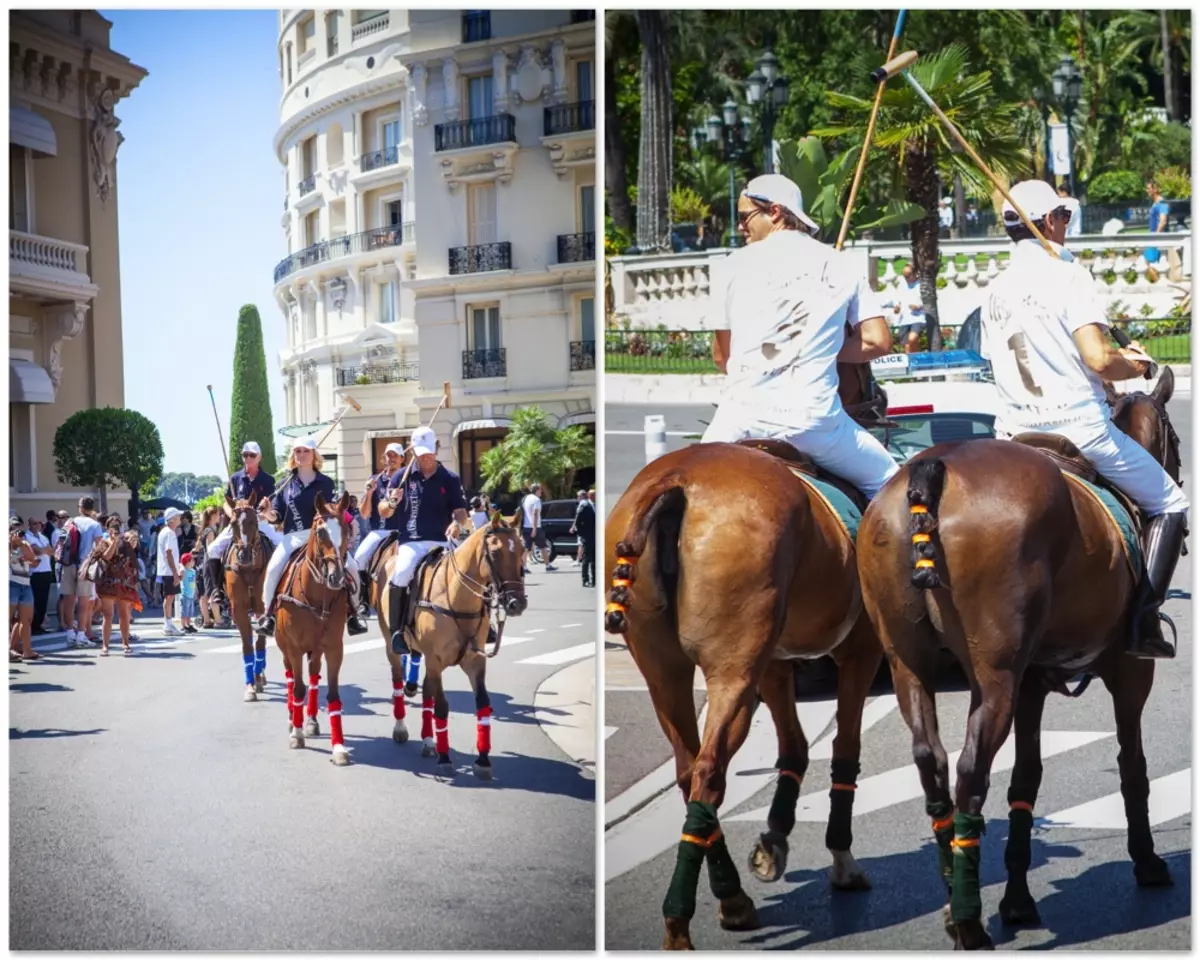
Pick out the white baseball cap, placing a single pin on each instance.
(307, 442)
(172, 513)
(423, 441)
(396, 448)
(1037, 198)
(251, 447)
(776, 188)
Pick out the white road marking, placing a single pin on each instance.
(566, 655)
(565, 712)
(1170, 797)
(568, 626)
(536, 630)
(609, 731)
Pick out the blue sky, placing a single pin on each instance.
(200, 200)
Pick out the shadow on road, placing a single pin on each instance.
(39, 688)
(14, 733)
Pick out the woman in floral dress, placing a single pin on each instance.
(118, 587)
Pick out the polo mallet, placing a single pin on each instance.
(220, 433)
(900, 65)
(866, 147)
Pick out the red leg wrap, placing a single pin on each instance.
(335, 722)
(442, 729)
(426, 719)
(398, 708)
(314, 690)
(483, 729)
(298, 714)
(291, 686)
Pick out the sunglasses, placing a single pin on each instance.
(744, 216)
(249, 456)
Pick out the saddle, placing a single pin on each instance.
(803, 463)
(376, 562)
(418, 591)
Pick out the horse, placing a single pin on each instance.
(452, 596)
(739, 570)
(1021, 573)
(406, 669)
(310, 621)
(244, 569)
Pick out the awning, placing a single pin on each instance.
(28, 383)
(572, 419)
(32, 130)
(499, 423)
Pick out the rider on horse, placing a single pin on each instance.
(429, 502)
(787, 305)
(1047, 329)
(378, 487)
(295, 505)
(251, 484)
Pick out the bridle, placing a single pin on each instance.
(1168, 448)
(247, 554)
(329, 572)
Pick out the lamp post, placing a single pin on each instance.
(1068, 88)
(768, 87)
(1039, 94)
(731, 131)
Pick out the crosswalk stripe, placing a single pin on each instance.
(566, 655)
(609, 731)
(537, 630)
(568, 626)
(1170, 797)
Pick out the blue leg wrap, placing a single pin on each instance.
(413, 670)
(248, 664)
(260, 663)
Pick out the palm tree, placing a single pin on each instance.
(1166, 35)
(617, 33)
(914, 142)
(709, 177)
(535, 452)
(656, 135)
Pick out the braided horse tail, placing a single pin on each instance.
(925, 481)
(660, 499)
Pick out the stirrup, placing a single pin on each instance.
(399, 644)
(1157, 648)
(354, 626)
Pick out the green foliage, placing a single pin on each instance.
(108, 446)
(535, 452)
(250, 413)
(1116, 186)
(687, 206)
(1175, 183)
(212, 500)
(185, 487)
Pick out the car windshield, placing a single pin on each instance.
(917, 432)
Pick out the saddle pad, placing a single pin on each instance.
(838, 503)
(1121, 520)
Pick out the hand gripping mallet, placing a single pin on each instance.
(900, 65)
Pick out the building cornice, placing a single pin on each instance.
(585, 32)
(334, 101)
(65, 62)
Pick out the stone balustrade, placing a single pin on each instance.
(29, 248)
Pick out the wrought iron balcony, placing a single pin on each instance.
(308, 186)
(570, 118)
(484, 363)
(380, 158)
(378, 373)
(501, 128)
(391, 236)
(576, 247)
(476, 26)
(583, 354)
(481, 258)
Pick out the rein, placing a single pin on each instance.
(311, 564)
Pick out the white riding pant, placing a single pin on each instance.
(370, 543)
(289, 544)
(408, 556)
(837, 444)
(1119, 459)
(225, 538)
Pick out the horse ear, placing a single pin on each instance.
(343, 504)
(1165, 388)
(319, 503)
(497, 519)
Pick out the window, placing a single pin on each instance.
(393, 212)
(485, 328)
(333, 21)
(289, 64)
(587, 319)
(472, 445)
(583, 80)
(587, 209)
(481, 213)
(387, 302)
(19, 183)
(391, 137)
(307, 32)
(476, 26)
(311, 228)
(308, 157)
(479, 97)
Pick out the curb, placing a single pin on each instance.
(565, 709)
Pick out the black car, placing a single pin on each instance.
(558, 516)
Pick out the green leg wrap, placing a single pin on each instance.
(940, 810)
(964, 895)
(838, 833)
(722, 874)
(1016, 851)
(782, 815)
(680, 901)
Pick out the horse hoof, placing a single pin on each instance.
(970, 935)
(738, 913)
(445, 769)
(339, 757)
(846, 874)
(677, 936)
(260, 683)
(1153, 872)
(482, 773)
(250, 696)
(1018, 909)
(410, 689)
(768, 859)
(312, 728)
(427, 748)
(400, 734)
(295, 741)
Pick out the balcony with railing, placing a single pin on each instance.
(307, 185)
(43, 266)
(478, 364)
(481, 258)
(368, 373)
(476, 26)
(368, 28)
(583, 355)
(569, 118)
(576, 247)
(368, 240)
(379, 158)
(480, 132)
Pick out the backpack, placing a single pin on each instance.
(66, 549)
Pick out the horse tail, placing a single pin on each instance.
(662, 499)
(925, 481)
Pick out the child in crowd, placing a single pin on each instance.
(187, 592)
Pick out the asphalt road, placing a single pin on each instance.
(1080, 876)
(151, 809)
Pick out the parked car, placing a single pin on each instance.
(557, 518)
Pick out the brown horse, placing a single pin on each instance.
(311, 619)
(1021, 573)
(401, 687)
(244, 572)
(726, 561)
(457, 594)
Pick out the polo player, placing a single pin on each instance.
(251, 484)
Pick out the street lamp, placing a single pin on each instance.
(1068, 88)
(1040, 95)
(768, 87)
(732, 132)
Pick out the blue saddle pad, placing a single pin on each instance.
(838, 502)
(1123, 522)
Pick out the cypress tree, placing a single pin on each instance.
(250, 415)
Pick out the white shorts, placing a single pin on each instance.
(225, 538)
(838, 445)
(370, 543)
(1120, 460)
(407, 557)
(289, 543)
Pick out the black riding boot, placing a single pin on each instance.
(1163, 543)
(396, 620)
(364, 606)
(354, 626)
(216, 577)
(267, 624)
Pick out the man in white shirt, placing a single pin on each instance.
(908, 310)
(1045, 331)
(787, 305)
(170, 570)
(83, 591)
(531, 525)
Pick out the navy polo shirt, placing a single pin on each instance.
(241, 487)
(429, 503)
(296, 503)
(396, 520)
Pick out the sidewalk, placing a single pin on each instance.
(565, 708)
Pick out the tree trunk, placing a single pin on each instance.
(920, 181)
(1169, 91)
(614, 155)
(654, 156)
(103, 498)
(960, 208)
(134, 502)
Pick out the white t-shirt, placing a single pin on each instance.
(1028, 319)
(39, 542)
(531, 507)
(479, 518)
(787, 303)
(908, 296)
(168, 542)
